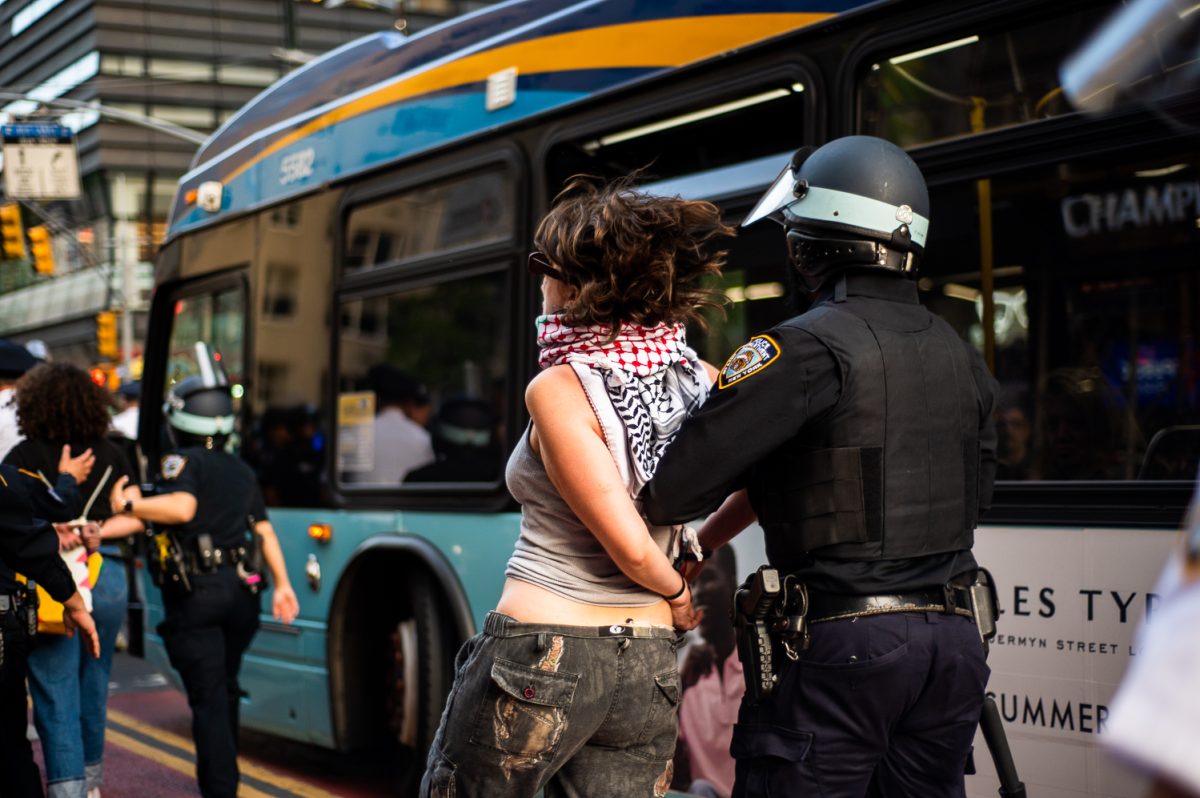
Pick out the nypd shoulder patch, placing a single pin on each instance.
(172, 466)
(749, 359)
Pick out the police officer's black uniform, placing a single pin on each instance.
(28, 545)
(862, 432)
(208, 627)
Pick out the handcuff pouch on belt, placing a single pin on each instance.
(24, 606)
(766, 610)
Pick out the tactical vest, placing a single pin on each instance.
(892, 471)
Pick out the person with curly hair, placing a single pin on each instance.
(58, 405)
(572, 686)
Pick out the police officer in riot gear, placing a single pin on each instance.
(859, 435)
(29, 545)
(208, 513)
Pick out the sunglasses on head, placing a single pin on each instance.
(539, 264)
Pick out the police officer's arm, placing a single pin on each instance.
(60, 500)
(284, 605)
(734, 515)
(740, 424)
(568, 439)
(172, 509)
(30, 546)
(120, 525)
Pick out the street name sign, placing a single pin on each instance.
(40, 161)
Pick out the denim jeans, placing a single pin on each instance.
(571, 710)
(70, 691)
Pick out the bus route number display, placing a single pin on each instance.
(40, 162)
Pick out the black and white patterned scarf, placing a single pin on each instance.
(651, 397)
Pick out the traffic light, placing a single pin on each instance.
(106, 334)
(41, 249)
(12, 232)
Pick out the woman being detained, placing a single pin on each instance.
(572, 686)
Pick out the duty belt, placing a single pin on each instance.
(221, 555)
(10, 603)
(950, 600)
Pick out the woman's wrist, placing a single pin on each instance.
(683, 587)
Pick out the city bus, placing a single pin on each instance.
(353, 243)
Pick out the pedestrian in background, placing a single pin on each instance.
(572, 686)
(58, 405)
(126, 421)
(29, 545)
(712, 684)
(209, 504)
(15, 360)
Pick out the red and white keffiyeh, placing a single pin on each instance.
(637, 366)
(641, 351)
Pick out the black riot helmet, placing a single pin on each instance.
(201, 406)
(856, 202)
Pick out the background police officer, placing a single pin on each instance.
(29, 545)
(206, 498)
(859, 435)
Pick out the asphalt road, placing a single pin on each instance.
(149, 752)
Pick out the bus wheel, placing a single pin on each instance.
(420, 671)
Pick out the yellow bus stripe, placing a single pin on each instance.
(182, 743)
(655, 43)
(176, 763)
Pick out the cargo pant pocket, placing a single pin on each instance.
(772, 761)
(439, 780)
(525, 710)
(657, 738)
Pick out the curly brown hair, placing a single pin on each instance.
(633, 258)
(58, 402)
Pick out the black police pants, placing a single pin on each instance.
(206, 632)
(878, 706)
(18, 771)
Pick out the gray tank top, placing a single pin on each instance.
(555, 550)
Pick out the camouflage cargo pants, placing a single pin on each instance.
(576, 711)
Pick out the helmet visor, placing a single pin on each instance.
(778, 197)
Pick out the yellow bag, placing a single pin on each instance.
(85, 571)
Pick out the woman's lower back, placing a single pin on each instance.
(529, 603)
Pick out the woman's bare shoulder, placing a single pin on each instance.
(555, 384)
(555, 398)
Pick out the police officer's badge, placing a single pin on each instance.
(172, 465)
(749, 359)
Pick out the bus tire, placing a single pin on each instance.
(420, 672)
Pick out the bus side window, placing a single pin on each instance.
(1095, 297)
(423, 374)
